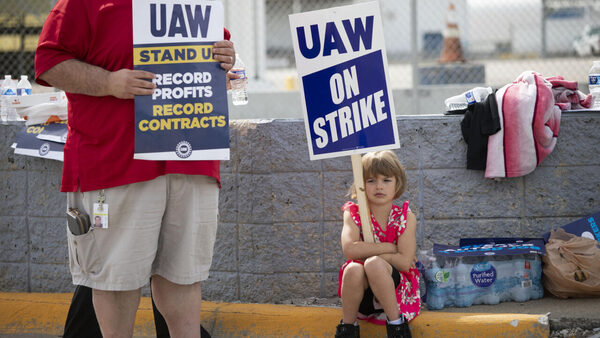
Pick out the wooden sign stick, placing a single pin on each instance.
(363, 206)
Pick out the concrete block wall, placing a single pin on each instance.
(280, 217)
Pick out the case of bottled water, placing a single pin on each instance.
(483, 271)
(588, 227)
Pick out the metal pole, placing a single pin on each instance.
(260, 34)
(543, 54)
(414, 57)
(22, 59)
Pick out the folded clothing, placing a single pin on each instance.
(567, 96)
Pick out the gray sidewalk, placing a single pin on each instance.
(569, 313)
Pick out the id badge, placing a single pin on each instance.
(100, 216)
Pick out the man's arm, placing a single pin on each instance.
(78, 77)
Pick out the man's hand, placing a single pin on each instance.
(231, 76)
(224, 52)
(78, 77)
(125, 83)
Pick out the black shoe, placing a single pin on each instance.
(203, 332)
(398, 331)
(347, 330)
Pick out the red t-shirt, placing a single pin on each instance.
(99, 149)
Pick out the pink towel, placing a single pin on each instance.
(530, 121)
(567, 96)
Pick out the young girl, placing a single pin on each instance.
(380, 281)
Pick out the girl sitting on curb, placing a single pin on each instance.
(379, 282)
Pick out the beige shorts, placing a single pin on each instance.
(166, 226)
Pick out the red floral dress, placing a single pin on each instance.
(407, 292)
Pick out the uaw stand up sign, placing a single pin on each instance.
(186, 118)
(343, 74)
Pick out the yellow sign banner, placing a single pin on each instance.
(172, 54)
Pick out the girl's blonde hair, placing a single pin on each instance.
(384, 163)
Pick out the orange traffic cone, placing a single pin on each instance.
(451, 50)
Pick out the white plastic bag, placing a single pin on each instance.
(45, 112)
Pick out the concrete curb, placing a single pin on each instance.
(43, 313)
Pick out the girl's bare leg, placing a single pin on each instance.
(354, 284)
(379, 275)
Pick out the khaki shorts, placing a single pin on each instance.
(166, 226)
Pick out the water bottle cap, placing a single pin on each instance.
(23, 77)
(7, 77)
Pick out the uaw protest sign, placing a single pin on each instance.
(343, 74)
(186, 118)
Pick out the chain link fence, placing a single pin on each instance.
(486, 42)
(498, 38)
(20, 26)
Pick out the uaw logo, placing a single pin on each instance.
(183, 149)
(44, 149)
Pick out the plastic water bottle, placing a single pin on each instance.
(462, 101)
(8, 113)
(448, 265)
(422, 283)
(426, 259)
(3, 110)
(8, 86)
(594, 84)
(521, 291)
(490, 288)
(465, 290)
(478, 291)
(436, 294)
(239, 94)
(3, 105)
(24, 87)
(495, 291)
(507, 277)
(537, 290)
(449, 285)
(490, 297)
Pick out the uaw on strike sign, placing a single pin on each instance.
(342, 68)
(186, 117)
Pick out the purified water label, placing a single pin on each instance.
(470, 97)
(23, 91)
(483, 274)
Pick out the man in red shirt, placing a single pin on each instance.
(163, 214)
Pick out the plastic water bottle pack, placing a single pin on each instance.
(8, 90)
(493, 271)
